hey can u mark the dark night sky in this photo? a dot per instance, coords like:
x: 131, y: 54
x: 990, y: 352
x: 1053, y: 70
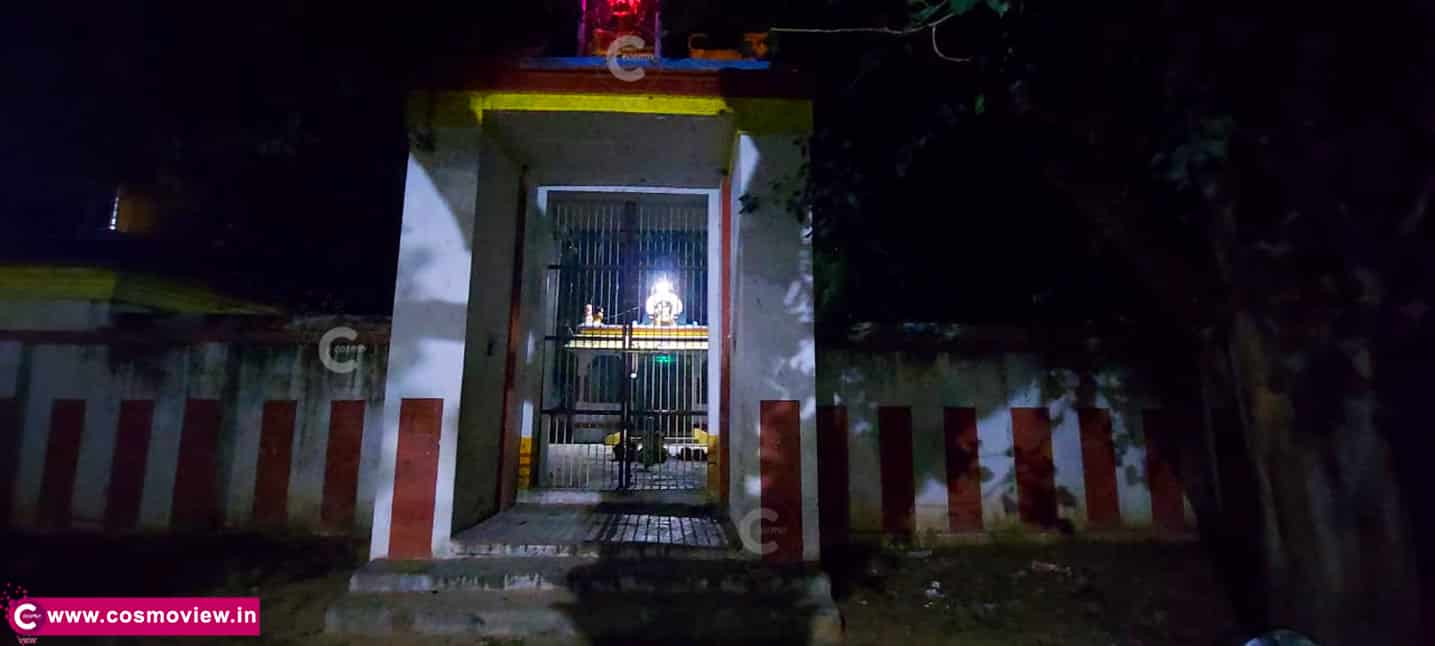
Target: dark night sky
x: 173, y: 94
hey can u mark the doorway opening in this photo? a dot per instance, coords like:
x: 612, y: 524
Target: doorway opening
x: 625, y: 398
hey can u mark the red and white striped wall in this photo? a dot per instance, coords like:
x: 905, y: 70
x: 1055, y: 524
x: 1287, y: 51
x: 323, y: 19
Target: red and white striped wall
x: 121, y: 438
x: 943, y: 444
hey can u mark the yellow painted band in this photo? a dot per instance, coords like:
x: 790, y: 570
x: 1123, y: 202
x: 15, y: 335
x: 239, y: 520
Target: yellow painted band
x: 56, y: 283
x: 750, y: 115
x: 42, y: 283
x: 695, y: 106
x: 525, y: 462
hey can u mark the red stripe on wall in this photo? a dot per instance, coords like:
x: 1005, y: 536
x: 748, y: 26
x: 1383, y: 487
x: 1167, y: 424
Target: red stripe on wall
x: 127, y: 467
x: 780, y: 463
x: 9, y: 454
x: 62, y: 455
x: 964, y: 475
x: 341, y: 465
x: 415, y: 476
x: 833, y: 507
x: 1168, y: 506
x: 894, y: 448
x: 1098, y: 468
x: 276, y: 449
x: 1035, y: 472
x: 196, y: 478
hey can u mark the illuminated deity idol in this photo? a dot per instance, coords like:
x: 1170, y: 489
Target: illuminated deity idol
x: 664, y: 306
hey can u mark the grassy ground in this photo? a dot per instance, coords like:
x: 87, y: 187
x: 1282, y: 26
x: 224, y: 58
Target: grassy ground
x: 1068, y: 593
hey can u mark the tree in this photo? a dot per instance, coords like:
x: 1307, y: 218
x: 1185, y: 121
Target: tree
x: 1267, y: 170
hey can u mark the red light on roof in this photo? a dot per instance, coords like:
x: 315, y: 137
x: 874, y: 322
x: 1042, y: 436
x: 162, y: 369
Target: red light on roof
x: 606, y: 20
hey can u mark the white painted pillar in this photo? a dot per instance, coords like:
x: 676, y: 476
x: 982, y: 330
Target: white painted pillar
x: 774, y: 357
x: 429, y: 325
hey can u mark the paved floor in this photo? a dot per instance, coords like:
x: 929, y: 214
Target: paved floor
x: 551, y: 525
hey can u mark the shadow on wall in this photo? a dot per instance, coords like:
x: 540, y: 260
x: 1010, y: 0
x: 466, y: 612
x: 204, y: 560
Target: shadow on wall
x: 1029, y: 446
x: 430, y: 327
x: 774, y: 351
x: 174, y: 424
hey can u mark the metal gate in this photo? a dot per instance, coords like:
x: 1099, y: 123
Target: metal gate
x: 625, y: 400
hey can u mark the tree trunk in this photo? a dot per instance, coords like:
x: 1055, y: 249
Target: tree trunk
x: 1337, y: 558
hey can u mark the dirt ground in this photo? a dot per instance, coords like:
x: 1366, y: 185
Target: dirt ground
x: 1068, y: 593
x: 1056, y: 594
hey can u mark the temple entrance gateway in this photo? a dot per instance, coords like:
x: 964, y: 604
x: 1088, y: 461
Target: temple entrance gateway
x: 624, y: 402
x: 542, y: 190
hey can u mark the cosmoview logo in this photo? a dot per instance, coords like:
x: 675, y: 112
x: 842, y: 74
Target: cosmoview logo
x: 25, y: 617
x: 615, y: 51
x: 749, y: 531
x: 328, y: 353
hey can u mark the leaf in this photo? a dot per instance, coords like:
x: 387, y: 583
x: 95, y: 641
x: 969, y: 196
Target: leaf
x: 960, y: 7
x: 999, y: 6
x: 981, y: 105
x: 923, y: 13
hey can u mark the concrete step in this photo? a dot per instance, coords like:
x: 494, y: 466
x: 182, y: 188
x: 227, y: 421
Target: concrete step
x: 563, y: 617
x: 620, y: 551
x: 585, y: 576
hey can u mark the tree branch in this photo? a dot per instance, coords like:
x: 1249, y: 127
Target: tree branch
x: 883, y: 30
x: 865, y: 30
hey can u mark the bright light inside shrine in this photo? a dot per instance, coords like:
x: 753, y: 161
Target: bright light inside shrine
x: 663, y: 305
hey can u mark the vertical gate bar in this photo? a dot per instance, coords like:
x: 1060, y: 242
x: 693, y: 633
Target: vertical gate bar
x: 628, y: 368
x: 628, y: 286
x: 551, y: 434
x: 588, y: 236
x: 604, y: 258
x: 573, y: 234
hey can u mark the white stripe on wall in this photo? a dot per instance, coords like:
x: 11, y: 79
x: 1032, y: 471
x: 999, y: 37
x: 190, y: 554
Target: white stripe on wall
x: 97, y: 440
x: 53, y: 377
x: 9, y: 368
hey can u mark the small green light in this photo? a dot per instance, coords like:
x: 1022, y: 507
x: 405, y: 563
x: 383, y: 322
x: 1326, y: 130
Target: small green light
x: 663, y: 358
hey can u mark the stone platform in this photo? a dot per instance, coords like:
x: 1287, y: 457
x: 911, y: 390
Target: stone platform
x: 561, y: 617
x: 598, y: 531
x: 616, y: 569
